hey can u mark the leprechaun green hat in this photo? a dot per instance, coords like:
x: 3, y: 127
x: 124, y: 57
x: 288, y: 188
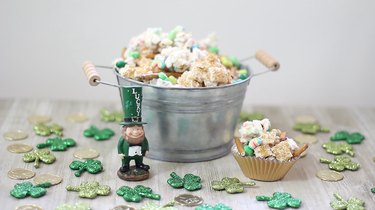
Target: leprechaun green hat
x: 132, y: 105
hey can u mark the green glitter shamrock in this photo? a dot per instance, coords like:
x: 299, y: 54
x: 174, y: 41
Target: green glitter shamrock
x: 154, y: 206
x: 246, y: 116
x: 98, y: 135
x: 218, y: 206
x: 137, y: 194
x: 24, y: 189
x: 46, y: 130
x: 189, y: 182
x: 77, y: 206
x: 230, y: 185
x: 39, y: 155
x: 107, y: 116
x: 57, y: 144
x: 352, y: 204
x: 340, y: 163
x: 350, y: 138
x: 280, y: 200
x: 310, y: 128
x: 338, y: 148
x: 89, y: 189
x: 92, y: 166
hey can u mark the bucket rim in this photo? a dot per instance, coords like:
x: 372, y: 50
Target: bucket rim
x: 186, y: 88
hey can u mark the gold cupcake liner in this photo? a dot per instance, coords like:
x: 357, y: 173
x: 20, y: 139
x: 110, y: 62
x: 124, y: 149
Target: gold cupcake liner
x: 260, y: 169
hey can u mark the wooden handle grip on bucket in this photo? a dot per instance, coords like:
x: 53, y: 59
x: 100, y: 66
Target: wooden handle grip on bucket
x: 267, y: 60
x: 91, y: 73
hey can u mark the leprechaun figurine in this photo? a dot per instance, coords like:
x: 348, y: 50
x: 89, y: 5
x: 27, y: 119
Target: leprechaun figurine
x: 132, y: 144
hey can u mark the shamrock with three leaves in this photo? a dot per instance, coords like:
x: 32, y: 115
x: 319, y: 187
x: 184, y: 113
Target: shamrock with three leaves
x: 107, y: 116
x: 231, y: 185
x: 46, y: 130
x: 92, y: 166
x: 341, y: 163
x: 137, y: 194
x: 189, y: 182
x: 57, y: 144
x: 338, y: 148
x: 350, y: 138
x: 280, y: 200
x: 24, y: 189
x: 90, y: 189
x: 40, y: 155
x: 352, y: 204
x: 98, y: 134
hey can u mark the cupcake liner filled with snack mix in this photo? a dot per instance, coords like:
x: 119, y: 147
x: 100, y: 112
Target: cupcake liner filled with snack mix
x: 265, y: 154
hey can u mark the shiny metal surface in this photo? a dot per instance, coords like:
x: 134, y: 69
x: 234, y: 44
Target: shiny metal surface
x: 189, y: 124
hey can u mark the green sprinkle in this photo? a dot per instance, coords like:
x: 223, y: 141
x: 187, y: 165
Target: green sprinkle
x: 226, y: 61
x: 163, y: 76
x: 134, y: 54
x: 248, y: 151
x: 235, y: 61
x: 213, y: 50
x: 172, y: 79
x: 120, y: 64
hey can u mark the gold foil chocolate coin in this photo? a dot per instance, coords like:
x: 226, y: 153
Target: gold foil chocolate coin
x: 19, y: 148
x: 188, y: 200
x: 306, y: 139
x: 15, y: 135
x: 123, y: 207
x: 329, y: 175
x: 28, y: 207
x: 305, y: 119
x: 86, y: 154
x: 51, y: 178
x: 76, y: 117
x: 35, y: 119
x: 21, y: 174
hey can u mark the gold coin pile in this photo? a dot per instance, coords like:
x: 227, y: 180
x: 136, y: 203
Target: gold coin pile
x: 20, y: 174
x: 15, y: 135
x: 86, y: 154
x: 19, y: 148
x: 51, y: 178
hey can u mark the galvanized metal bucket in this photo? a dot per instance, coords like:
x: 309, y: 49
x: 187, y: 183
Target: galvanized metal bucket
x: 188, y: 124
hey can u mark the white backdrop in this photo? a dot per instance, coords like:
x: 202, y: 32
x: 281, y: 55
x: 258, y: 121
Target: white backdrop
x: 325, y: 47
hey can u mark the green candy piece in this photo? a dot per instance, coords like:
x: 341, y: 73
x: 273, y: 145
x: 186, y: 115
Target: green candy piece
x: 351, y: 138
x: 90, y: 189
x: 57, y: 144
x: 172, y: 35
x: 352, y: 204
x: 91, y: 166
x: 38, y: 156
x: 226, y: 61
x: 137, y: 194
x: 120, y: 64
x: 134, y: 54
x: 46, y: 130
x: 107, y: 116
x: 230, y: 185
x: 219, y: 206
x: 172, y: 79
x: 280, y: 200
x: 24, y: 189
x: 189, y: 182
x: 235, y: 61
x: 340, y: 163
x: 163, y: 76
x: 213, y: 50
x: 247, y: 116
x: 338, y: 148
x: 248, y: 151
x: 243, y: 76
x: 98, y: 134
x: 373, y: 190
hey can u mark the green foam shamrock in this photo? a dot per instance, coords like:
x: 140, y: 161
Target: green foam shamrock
x: 352, y: 204
x: 338, y: 148
x: 39, y: 155
x: 98, y: 134
x: 107, y: 116
x: 89, y: 189
x: 189, y: 182
x: 350, y: 138
x: 92, y: 166
x: 310, y: 128
x: 46, y: 130
x: 57, y: 144
x: 340, y: 163
x: 218, y: 206
x: 153, y: 206
x: 137, y: 194
x: 246, y: 116
x: 280, y: 200
x: 24, y: 189
x: 230, y: 185
x: 77, y: 206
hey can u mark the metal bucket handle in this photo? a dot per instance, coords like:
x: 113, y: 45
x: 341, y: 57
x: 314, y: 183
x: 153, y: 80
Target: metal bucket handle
x: 263, y: 57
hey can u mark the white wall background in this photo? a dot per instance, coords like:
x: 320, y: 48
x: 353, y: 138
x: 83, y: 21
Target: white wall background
x: 326, y: 48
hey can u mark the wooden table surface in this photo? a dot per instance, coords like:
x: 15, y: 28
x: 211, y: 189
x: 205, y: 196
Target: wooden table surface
x: 301, y: 181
